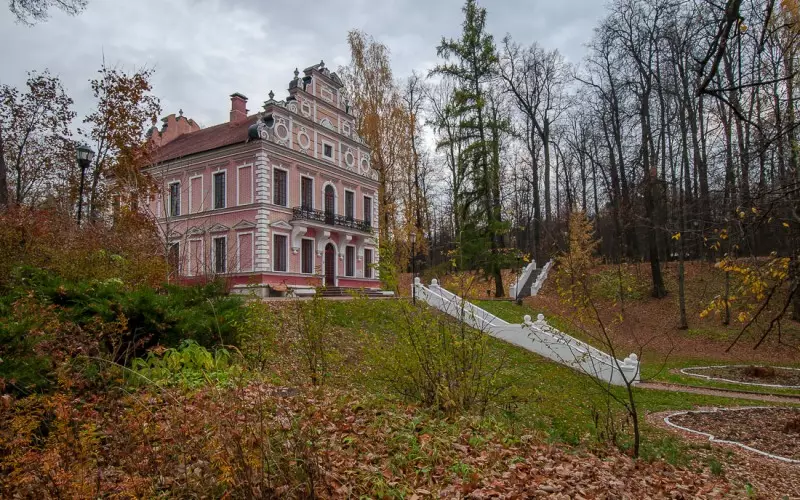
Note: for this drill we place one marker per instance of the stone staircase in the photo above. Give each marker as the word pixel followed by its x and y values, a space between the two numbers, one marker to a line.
pixel 535 336
pixel 525 288
pixel 530 281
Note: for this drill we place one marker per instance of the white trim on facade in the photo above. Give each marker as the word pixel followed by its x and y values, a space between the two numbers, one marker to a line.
pixel 224 172
pixel 214 256
pixel 288 191
pixel 169 195
pixel 286 246
pixel 313 183
pixel 313 255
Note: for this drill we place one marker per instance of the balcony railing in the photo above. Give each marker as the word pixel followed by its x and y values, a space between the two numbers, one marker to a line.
pixel 331 219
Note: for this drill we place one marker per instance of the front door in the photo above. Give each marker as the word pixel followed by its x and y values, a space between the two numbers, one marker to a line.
pixel 330 266
pixel 330 202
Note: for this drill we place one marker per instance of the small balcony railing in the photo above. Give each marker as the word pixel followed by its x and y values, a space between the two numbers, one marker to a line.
pixel 331 219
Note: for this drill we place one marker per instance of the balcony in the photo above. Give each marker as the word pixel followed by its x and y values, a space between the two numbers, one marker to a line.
pixel 331 219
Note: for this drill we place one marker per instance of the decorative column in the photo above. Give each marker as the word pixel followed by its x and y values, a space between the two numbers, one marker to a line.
pixel 263 184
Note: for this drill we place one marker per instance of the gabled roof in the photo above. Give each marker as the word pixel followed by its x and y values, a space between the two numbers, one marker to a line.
pixel 224 134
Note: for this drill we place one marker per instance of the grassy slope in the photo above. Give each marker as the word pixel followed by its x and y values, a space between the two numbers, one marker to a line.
pixel 548 397
pixel 703 344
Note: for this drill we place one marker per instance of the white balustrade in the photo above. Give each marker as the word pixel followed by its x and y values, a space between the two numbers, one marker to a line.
pixel 536 336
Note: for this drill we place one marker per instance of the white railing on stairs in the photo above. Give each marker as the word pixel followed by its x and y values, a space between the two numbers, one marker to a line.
pixel 516 288
pixel 536 336
pixel 537 285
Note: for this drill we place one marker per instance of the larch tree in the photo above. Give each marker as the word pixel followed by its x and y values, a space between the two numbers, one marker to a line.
pixel 471 61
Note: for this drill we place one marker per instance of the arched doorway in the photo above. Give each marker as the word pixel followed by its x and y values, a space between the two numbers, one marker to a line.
pixel 330 265
pixel 330 204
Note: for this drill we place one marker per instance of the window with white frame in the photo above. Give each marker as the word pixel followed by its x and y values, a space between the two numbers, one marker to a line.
pixel 368 263
pixel 219 190
pixel 175 199
pixel 368 210
pixel 349 205
pixel 280 253
pixel 307 256
pixel 280 187
pixel 307 193
pixel 220 254
pixel 350 261
pixel 327 150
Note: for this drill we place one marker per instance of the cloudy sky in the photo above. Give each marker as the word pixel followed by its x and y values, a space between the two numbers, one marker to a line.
pixel 204 50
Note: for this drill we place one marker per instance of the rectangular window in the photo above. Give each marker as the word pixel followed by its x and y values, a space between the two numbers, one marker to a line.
pixel 349 205
pixel 175 199
pixel 368 210
pixel 220 255
pixel 368 263
pixel 307 193
pixel 350 261
pixel 219 190
pixel 327 150
pixel 307 251
pixel 174 259
pixel 280 185
pixel 279 253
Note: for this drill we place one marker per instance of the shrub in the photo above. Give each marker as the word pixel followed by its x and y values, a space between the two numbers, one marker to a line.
pixel 311 321
pixel 47 320
pixel 438 362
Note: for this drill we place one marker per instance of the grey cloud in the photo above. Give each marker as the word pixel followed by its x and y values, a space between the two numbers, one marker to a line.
pixel 203 50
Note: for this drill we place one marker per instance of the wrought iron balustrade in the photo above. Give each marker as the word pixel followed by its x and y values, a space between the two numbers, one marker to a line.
pixel 331 219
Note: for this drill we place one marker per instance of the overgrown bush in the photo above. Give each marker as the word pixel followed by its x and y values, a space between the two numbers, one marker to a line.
pixel 438 362
pixel 45 320
pixel 129 250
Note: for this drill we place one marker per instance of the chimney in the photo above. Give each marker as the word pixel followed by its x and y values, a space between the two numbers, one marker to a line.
pixel 238 107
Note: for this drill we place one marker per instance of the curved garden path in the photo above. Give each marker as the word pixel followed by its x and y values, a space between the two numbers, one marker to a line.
pixel 725 393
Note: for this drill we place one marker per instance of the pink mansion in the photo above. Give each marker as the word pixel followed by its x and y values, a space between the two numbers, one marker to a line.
pixel 282 201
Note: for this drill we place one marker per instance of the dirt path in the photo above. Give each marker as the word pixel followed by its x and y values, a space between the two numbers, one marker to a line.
pixel 725 393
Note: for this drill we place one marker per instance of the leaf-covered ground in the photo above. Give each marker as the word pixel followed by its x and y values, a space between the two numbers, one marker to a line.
pixel 267 432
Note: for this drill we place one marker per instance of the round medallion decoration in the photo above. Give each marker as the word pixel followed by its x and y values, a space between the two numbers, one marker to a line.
pixel 349 159
pixel 282 131
pixel 364 165
pixel 303 140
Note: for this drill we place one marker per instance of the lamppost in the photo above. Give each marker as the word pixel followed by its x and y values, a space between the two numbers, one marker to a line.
pixel 414 266
pixel 85 155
